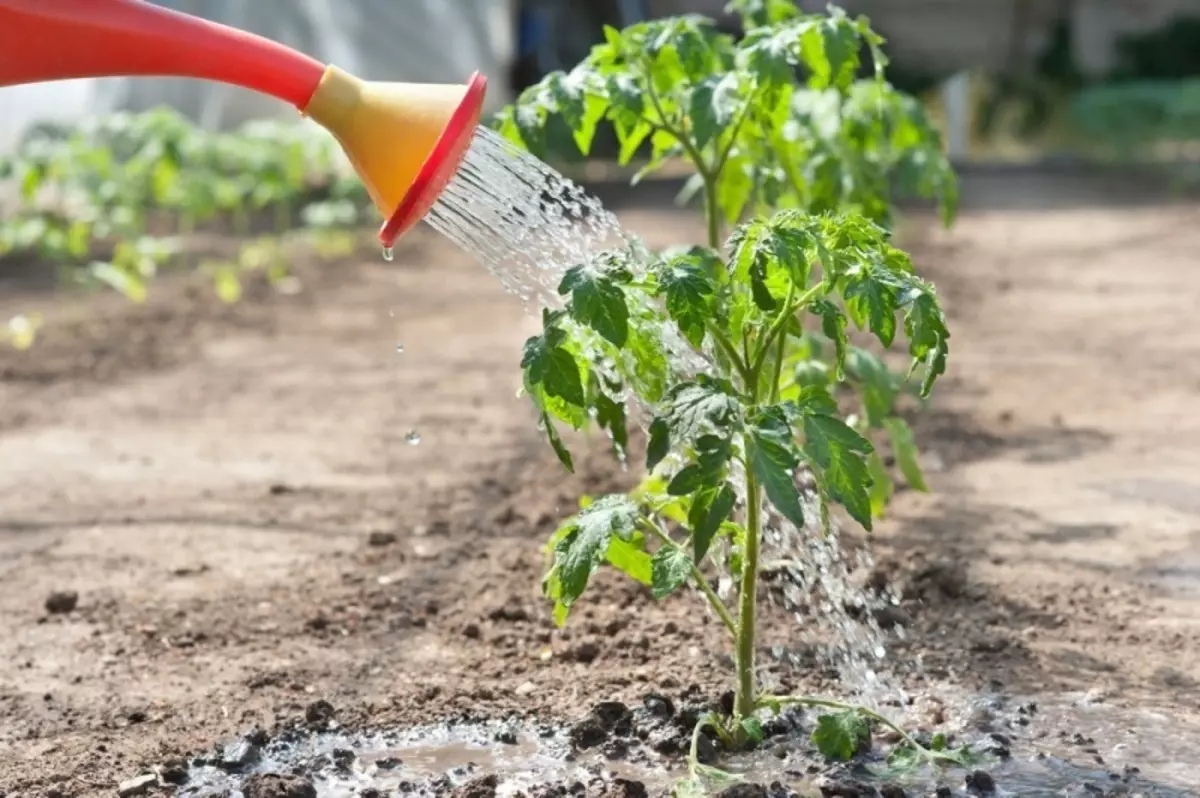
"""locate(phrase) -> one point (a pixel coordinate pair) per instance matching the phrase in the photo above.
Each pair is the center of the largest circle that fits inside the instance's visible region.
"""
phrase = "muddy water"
(1060, 746)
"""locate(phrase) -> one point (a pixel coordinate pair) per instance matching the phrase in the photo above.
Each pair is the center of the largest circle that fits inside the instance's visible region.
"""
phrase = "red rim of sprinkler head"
(441, 164)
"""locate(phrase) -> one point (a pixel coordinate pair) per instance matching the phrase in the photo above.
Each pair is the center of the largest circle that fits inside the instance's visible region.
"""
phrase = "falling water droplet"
(399, 349)
(388, 254)
(413, 438)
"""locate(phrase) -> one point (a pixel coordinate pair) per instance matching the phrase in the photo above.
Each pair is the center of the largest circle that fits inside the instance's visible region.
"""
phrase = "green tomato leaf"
(610, 415)
(695, 407)
(584, 542)
(838, 456)
(870, 294)
(560, 449)
(877, 386)
(840, 736)
(713, 103)
(599, 302)
(710, 509)
(688, 291)
(771, 450)
(833, 324)
(753, 728)
(928, 338)
(631, 560)
(550, 366)
(830, 50)
(904, 447)
(882, 486)
(712, 456)
(671, 568)
(660, 443)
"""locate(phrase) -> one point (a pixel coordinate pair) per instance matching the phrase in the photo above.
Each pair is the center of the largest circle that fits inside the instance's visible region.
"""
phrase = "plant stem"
(745, 700)
(712, 212)
(730, 351)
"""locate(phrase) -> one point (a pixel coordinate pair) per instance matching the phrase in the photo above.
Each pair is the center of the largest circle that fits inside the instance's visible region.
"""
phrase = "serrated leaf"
(882, 486)
(871, 301)
(584, 541)
(660, 443)
(552, 367)
(630, 560)
(610, 415)
(839, 736)
(876, 385)
(560, 449)
(771, 450)
(598, 302)
(753, 728)
(694, 407)
(837, 453)
(928, 338)
(833, 324)
(904, 447)
(815, 399)
(671, 568)
(688, 290)
(709, 510)
(713, 104)
(830, 50)
(712, 455)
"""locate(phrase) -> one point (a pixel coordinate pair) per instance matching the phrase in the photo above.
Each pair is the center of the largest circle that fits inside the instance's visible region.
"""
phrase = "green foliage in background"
(109, 202)
(741, 350)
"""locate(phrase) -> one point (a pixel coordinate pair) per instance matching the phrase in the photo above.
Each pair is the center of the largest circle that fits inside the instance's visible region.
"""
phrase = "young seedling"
(739, 350)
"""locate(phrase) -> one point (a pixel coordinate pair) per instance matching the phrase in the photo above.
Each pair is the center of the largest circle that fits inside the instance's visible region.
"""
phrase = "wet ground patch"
(1062, 747)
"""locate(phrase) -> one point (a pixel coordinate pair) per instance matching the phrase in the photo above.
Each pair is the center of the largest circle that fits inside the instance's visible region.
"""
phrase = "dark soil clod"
(892, 791)
(61, 602)
(981, 781)
(659, 706)
(747, 790)
(270, 785)
(479, 788)
(237, 757)
(624, 788)
(380, 539)
(319, 713)
(588, 733)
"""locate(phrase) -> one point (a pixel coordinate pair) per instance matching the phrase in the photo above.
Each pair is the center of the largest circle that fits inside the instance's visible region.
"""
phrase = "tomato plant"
(740, 350)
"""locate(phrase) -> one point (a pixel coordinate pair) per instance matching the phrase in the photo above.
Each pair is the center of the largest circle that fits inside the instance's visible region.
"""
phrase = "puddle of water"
(1062, 746)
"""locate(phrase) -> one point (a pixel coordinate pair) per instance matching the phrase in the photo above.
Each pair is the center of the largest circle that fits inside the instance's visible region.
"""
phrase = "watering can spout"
(405, 140)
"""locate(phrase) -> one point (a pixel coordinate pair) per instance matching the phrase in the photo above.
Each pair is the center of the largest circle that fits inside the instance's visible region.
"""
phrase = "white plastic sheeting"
(436, 41)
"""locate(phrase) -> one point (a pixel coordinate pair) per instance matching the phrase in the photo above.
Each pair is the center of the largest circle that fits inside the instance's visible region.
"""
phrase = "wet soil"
(211, 521)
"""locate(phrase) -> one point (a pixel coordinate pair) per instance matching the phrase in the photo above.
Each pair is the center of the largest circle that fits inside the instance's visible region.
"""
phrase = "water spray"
(404, 140)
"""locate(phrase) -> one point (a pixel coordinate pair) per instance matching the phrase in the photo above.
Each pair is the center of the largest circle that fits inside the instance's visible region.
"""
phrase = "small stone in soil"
(506, 737)
(388, 763)
(61, 602)
(381, 539)
(139, 786)
(479, 788)
(271, 785)
(892, 791)
(238, 756)
(944, 792)
(981, 781)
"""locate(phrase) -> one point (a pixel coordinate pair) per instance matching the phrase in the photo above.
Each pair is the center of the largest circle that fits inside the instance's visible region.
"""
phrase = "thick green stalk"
(745, 698)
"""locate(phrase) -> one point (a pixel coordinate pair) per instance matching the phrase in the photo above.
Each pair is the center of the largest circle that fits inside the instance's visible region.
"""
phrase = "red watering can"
(405, 140)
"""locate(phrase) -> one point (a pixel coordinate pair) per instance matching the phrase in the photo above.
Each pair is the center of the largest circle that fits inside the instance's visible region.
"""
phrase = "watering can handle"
(43, 40)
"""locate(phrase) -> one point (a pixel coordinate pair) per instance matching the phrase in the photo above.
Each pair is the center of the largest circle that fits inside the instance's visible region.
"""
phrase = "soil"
(213, 520)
